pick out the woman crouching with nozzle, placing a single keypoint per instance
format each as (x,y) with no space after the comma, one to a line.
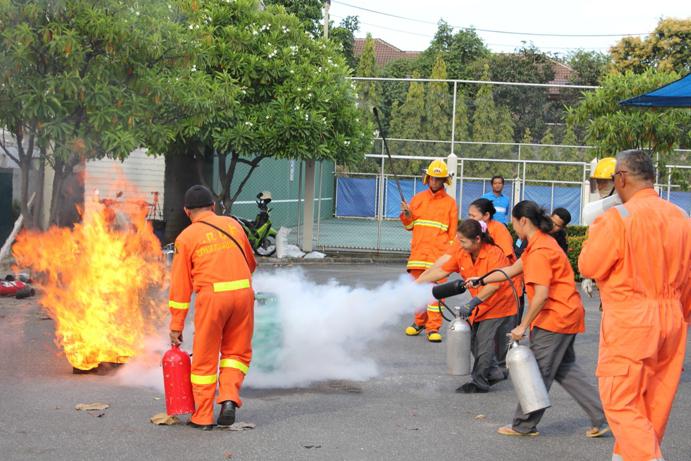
(555,315)
(491,308)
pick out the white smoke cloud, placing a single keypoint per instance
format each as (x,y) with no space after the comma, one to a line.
(326,328)
(320,332)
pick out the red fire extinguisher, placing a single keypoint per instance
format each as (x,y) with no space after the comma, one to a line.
(176,380)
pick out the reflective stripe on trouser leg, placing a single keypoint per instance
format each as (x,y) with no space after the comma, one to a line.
(236,346)
(209,317)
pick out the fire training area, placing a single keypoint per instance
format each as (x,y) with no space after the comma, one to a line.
(409,411)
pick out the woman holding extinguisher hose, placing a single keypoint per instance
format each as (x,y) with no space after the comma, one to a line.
(491,306)
(554,317)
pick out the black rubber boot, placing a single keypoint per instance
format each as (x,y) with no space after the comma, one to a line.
(227,415)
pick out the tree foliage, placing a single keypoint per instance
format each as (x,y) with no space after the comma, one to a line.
(589,67)
(368,91)
(438,111)
(459,50)
(485,114)
(530,106)
(407,122)
(666,49)
(83,79)
(293,98)
(613,128)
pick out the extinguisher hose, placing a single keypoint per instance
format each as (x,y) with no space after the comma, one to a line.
(477,282)
(513,288)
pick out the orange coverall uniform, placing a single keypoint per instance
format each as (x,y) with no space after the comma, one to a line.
(433,221)
(209,264)
(639,254)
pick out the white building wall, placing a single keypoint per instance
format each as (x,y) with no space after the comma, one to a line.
(139,177)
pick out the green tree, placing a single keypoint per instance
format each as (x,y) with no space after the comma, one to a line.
(294,100)
(344,34)
(407,122)
(572,154)
(589,67)
(308,11)
(85,79)
(459,50)
(612,128)
(666,49)
(438,111)
(395,92)
(530,106)
(369,91)
(462,122)
(485,114)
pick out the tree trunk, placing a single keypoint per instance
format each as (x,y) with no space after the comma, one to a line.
(24,169)
(180,175)
(40,186)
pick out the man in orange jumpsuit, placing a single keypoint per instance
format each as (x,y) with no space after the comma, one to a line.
(432,216)
(639,253)
(213,259)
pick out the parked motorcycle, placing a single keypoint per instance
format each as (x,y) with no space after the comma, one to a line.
(260,233)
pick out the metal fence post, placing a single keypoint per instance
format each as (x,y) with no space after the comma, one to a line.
(669,181)
(299,203)
(319,199)
(460,195)
(523,185)
(380,202)
(551,199)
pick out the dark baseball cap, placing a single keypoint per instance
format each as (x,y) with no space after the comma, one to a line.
(198,197)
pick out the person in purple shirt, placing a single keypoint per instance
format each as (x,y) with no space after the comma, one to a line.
(500,201)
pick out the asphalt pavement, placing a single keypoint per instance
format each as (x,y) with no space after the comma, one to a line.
(408,412)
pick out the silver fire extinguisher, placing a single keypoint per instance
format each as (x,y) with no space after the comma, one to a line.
(458,353)
(526,378)
(458,359)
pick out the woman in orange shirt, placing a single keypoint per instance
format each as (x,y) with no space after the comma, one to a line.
(555,315)
(483,210)
(491,307)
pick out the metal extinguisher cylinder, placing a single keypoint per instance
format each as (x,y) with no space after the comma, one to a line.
(458,359)
(526,378)
(176,381)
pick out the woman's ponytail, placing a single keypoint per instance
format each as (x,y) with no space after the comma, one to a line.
(534,213)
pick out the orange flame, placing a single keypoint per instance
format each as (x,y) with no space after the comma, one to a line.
(97,280)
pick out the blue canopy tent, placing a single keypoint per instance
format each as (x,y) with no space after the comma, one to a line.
(675,94)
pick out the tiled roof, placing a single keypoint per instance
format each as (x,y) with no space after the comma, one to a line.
(384,52)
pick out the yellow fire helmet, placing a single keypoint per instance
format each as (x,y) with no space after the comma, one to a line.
(602,173)
(604,168)
(437,169)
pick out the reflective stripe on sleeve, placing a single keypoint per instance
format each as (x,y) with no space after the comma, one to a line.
(231,286)
(430,223)
(203,379)
(434,308)
(232,363)
(178,305)
(419,264)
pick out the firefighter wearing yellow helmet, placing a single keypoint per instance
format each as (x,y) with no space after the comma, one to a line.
(601,178)
(602,182)
(432,217)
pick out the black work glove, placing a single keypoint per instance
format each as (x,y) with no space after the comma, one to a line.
(466,310)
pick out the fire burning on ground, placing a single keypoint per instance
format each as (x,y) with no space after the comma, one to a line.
(99,281)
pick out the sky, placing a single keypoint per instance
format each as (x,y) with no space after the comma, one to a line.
(615,18)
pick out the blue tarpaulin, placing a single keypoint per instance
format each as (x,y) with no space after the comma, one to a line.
(356,197)
(675,94)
